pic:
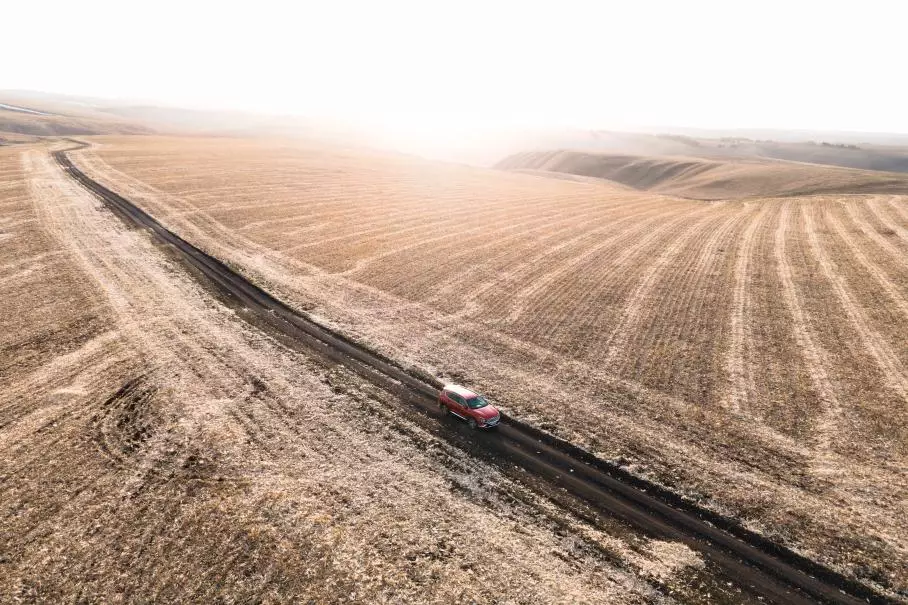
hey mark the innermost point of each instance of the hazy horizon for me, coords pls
(124, 102)
(442, 69)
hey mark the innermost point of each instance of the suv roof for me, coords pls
(459, 390)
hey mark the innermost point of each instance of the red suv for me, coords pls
(472, 407)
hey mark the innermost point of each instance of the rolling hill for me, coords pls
(707, 178)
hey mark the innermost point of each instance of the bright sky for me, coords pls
(450, 64)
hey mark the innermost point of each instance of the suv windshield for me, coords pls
(477, 402)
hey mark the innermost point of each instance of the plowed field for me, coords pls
(750, 354)
(156, 447)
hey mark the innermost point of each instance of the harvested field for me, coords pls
(154, 446)
(749, 354)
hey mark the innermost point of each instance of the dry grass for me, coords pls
(749, 354)
(155, 447)
(712, 179)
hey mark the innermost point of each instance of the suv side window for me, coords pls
(456, 399)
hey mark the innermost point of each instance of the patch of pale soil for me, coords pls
(670, 557)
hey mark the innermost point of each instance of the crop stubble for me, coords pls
(749, 353)
(154, 447)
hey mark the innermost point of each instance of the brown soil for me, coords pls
(732, 381)
(156, 447)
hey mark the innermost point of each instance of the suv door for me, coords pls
(460, 406)
(447, 400)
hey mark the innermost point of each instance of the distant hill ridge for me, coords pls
(708, 178)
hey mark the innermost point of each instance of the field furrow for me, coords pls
(625, 328)
(895, 205)
(460, 244)
(534, 277)
(855, 372)
(668, 349)
(513, 267)
(567, 294)
(500, 257)
(896, 294)
(738, 361)
(887, 224)
(856, 214)
(876, 344)
(449, 223)
(817, 358)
